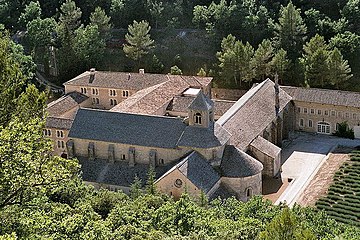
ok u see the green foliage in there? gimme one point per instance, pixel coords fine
(261, 61)
(201, 72)
(339, 69)
(135, 188)
(32, 11)
(344, 131)
(102, 21)
(138, 40)
(150, 182)
(175, 70)
(280, 65)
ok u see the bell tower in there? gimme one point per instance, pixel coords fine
(201, 111)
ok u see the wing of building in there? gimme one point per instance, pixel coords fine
(120, 124)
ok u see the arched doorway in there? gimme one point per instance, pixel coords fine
(323, 128)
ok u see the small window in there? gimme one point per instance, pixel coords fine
(61, 144)
(305, 110)
(333, 113)
(83, 90)
(113, 102)
(337, 127)
(112, 92)
(319, 112)
(310, 123)
(125, 93)
(161, 161)
(47, 132)
(301, 122)
(59, 134)
(95, 100)
(347, 115)
(249, 192)
(95, 91)
(312, 111)
(354, 115)
(198, 118)
(299, 110)
(326, 113)
(123, 157)
(340, 114)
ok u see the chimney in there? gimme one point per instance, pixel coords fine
(142, 71)
(92, 75)
(277, 92)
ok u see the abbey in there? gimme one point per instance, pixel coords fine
(120, 124)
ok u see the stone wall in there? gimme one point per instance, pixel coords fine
(240, 186)
(308, 115)
(271, 164)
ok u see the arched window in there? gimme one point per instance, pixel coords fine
(249, 192)
(198, 118)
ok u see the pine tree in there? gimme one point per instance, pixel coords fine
(150, 182)
(280, 64)
(135, 188)
(100, 19)
(138, 40)
(339, 69)
(261, 62)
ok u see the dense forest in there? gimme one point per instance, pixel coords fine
(305, 43)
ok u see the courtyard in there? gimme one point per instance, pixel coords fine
(301, 159)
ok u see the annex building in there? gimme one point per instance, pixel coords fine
(120, 124)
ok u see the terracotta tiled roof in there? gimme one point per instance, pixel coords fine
(153, 99)
(252, 113)
(132, 81)
(65, 103)
(266, 147)
(324, 96)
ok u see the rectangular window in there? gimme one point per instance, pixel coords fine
(326, 112)
(347, 115)
(47, 132)
(61, 144)
(83, 90)
(299, 110)
(337, 126)
(312, 111)
(125, 93)
(305, 110)
(95, 101)
(319, 112)
(339, 114)
(123, 157)
(301, 122)
(310, 123)
(113, 102)
(354, 115)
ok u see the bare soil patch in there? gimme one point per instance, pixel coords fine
(273, 188)
(319, 185)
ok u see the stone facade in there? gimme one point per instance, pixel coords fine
(244, 187)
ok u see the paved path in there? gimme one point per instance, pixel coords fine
(302, 159)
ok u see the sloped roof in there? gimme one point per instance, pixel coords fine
(65, 103)
(133, 129)
(198, 170)
(201, 102)
(236, 163)
(200, 137)
(59, 123)
(153, 99)
(323, 96)
(181, 104)
(252, 113)
(118, 173)
(266, 147)
(132, 81)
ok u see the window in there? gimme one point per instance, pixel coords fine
(60, 144)
(113, 102)
(112, 92)
(312, 111)
(95, 91)
(299, 110)
(347, 115)
(333, 113)
(305, 110)
(123, 157)
(323, 127)
(337, 127)
(161, 161)
(319, 112)
(354, 115)
(125, 93)
(310, 123)
(198, 118)
(83, 90)
(339, 114)
(59, 133)
(301, 124)
(326, 112)
(47, 132)
(178, 183)
(95, 101)
(249, 192)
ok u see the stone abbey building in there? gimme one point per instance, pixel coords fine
(119, 124)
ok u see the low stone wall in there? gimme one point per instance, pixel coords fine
(227, 94)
